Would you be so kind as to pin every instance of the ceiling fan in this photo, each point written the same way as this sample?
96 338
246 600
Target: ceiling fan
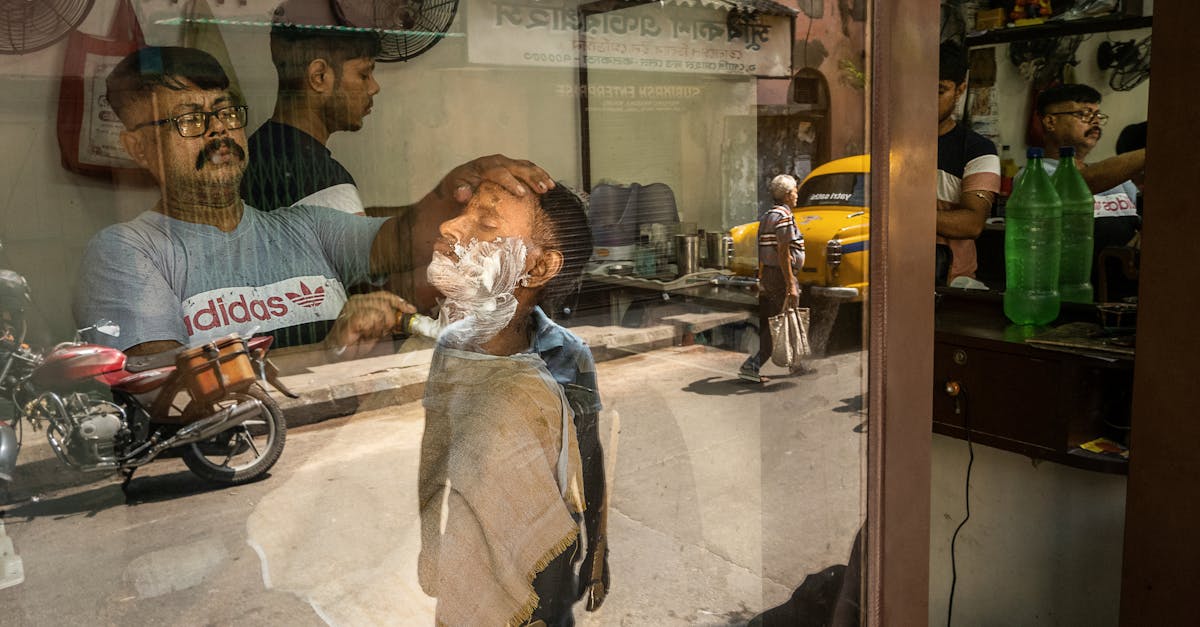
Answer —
27 25
409 27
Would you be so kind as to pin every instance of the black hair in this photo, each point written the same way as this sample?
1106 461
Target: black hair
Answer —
563 226
160 66
294 47
1070 92
952 63
1132 137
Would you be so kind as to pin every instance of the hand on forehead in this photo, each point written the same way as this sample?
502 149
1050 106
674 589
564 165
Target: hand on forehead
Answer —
497 212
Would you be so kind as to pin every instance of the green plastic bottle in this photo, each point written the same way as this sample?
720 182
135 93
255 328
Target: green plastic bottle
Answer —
1032 246
1075 269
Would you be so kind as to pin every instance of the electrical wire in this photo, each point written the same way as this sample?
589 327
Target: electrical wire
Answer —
962 402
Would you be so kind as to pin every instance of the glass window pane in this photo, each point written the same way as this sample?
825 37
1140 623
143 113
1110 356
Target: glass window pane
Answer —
474 382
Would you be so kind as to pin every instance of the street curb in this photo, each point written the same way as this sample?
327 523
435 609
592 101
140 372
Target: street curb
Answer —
337 390
332 392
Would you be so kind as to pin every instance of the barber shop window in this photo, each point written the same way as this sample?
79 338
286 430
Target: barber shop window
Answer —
488 312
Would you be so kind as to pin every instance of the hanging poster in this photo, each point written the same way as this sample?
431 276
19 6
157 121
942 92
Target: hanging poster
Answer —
675 36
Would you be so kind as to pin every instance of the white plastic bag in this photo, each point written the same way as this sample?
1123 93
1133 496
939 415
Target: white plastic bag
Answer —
789 337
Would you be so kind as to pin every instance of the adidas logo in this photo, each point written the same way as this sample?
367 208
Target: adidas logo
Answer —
269 305
307 297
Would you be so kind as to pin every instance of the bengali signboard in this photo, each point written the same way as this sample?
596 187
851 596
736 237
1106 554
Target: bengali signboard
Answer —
652 37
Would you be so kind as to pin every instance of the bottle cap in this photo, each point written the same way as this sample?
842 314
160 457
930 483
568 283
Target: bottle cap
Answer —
1033 152
1066 152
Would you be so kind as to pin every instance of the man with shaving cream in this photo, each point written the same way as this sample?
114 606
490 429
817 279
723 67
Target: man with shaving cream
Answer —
202 264
510 453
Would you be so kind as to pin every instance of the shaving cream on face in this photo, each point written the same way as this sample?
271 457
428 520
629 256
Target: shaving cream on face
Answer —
478 289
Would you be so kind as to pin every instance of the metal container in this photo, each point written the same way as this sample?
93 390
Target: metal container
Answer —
687 253
719 249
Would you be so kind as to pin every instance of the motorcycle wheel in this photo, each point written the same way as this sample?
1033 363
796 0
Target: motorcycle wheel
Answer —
243 453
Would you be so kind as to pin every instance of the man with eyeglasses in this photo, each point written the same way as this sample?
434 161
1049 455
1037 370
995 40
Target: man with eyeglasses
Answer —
201 264
1070 116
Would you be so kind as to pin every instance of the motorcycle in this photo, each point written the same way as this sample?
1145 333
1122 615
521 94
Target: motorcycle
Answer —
105 411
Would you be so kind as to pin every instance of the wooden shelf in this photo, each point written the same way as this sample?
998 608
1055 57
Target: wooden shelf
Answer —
1057 29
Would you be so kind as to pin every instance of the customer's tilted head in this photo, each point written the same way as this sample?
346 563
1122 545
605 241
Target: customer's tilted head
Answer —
561 224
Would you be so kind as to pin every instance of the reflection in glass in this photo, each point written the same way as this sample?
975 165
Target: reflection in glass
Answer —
719 500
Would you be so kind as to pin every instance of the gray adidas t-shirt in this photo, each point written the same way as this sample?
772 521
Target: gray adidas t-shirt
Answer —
282 272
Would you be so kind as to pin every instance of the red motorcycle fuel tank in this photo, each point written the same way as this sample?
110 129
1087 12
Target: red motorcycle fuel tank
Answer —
72 364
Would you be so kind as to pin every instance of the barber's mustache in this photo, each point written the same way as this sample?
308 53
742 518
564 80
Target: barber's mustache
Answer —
215 145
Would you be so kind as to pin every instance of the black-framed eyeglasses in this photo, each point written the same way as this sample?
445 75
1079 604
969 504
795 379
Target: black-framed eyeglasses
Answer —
1086 116
195 123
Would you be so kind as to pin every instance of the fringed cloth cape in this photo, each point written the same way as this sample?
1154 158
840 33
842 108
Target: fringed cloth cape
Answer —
498 482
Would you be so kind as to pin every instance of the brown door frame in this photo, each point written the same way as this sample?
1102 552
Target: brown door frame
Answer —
1161 562
1161 553
902 123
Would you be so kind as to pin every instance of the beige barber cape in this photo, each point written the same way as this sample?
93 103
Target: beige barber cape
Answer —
498 482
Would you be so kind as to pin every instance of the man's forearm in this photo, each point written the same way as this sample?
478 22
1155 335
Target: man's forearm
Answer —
592 457
392 250
1109 173
965 219
388 212
959 222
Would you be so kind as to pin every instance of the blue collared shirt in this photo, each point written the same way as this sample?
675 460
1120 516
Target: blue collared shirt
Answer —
569 361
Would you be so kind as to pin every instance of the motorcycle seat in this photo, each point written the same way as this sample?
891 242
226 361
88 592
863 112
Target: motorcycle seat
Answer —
142 363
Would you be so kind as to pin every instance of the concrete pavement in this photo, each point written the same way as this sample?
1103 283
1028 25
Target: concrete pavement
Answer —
724 495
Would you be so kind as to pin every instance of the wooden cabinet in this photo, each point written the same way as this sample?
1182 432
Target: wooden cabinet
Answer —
1020 397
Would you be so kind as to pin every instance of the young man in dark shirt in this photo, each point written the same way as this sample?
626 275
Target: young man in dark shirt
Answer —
326 85
968 176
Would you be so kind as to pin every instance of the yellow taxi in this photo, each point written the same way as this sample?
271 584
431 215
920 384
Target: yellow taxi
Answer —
833 216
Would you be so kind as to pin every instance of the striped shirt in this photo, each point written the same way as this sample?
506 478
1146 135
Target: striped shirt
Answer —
967 162
777 225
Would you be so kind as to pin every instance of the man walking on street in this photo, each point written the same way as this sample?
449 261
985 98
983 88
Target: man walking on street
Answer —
780 249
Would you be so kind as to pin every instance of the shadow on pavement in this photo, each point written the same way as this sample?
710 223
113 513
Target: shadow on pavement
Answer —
719 386
854 405
87 503
811 605
169 486
44 476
